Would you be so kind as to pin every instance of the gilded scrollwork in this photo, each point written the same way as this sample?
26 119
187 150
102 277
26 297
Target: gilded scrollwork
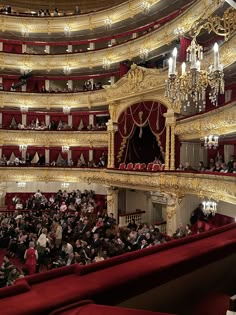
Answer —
52 138
220 121
218 187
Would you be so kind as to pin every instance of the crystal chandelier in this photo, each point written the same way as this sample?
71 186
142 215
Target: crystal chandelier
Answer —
108 23
66 70
143 53
211 141
21 184
23 147
106 63
66 109
67 30
145 6
209 207
190 87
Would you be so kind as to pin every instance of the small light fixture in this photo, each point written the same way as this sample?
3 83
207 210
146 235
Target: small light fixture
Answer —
21 184
67 30
23 147
65 185
106 63
66 109
24 109
65 149
67 70
209 207
108 23
211 141
145 6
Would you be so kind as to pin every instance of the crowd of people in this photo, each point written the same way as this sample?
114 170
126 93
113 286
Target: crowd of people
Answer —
42 12
57 125
39 159
214 165
64 229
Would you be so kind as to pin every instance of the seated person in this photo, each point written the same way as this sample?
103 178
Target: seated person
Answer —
201 167
187 166
180 232
217 167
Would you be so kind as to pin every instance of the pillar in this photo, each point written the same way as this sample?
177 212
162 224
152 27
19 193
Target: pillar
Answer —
91 119
23 119
69 156
91 46
24 48
0 120
1 46
70 121
111 128
47 85
91 155
171 214
112 201
112 79
47 120
3 189
0 151
170 140
69 49
70 85
47 156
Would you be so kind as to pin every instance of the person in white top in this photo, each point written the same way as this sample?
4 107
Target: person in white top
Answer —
67 248
63 207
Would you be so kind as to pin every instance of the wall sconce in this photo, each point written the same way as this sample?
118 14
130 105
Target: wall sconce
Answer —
23 147
21 184
65 148
108 23
65 185
24 109
66 109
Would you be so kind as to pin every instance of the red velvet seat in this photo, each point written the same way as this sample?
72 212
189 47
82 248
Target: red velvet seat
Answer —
137 166
130 166
149 167
94 309
122 166
143 166
156 167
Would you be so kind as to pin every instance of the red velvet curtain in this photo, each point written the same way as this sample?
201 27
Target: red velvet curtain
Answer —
33 116
7 117
8 150
214 153
12 48
58 116
123 69
139 115
97 153
76 118
77 151
34 85
33 149
7 83
54 152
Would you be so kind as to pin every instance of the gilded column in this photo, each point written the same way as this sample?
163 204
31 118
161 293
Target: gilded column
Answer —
111 128
170 140
172 148
112 201
167 153
171 214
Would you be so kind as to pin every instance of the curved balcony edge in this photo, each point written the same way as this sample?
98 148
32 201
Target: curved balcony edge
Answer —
218 187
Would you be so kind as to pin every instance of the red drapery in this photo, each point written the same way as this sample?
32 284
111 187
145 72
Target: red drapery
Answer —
12 47
33 149
139 115
214 153
7 117
8 82
77 117
8 150
53 153
34 116
123 69
58 116
97 153
76 153
34 85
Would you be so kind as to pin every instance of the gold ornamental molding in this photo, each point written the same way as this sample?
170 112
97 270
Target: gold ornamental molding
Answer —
54 138
53 101
221 121
116 54
217 187
76 23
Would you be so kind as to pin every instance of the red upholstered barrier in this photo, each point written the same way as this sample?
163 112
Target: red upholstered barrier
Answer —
93 309
118 281
21 286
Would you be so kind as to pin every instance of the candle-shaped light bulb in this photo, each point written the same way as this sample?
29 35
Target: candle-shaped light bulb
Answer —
198 65
174 54
170 66
183 67
216 57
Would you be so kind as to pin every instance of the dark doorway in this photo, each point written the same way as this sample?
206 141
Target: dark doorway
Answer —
143 147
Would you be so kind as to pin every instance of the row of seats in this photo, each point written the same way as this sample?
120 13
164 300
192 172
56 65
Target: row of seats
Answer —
151 167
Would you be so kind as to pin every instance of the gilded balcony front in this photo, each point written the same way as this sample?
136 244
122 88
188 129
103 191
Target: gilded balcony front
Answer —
219 187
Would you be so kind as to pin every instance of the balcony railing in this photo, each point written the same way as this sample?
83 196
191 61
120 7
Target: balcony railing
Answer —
126 218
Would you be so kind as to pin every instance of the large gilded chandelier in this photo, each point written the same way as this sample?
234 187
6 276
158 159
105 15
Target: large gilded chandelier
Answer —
190 87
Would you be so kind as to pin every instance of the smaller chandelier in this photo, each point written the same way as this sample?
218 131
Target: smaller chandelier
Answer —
106 63
143 53
66 109
209 207
24 109
24 31
67 30
211 141
21 184
145 6
67 70
108 23
65 185
65 149
23 147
